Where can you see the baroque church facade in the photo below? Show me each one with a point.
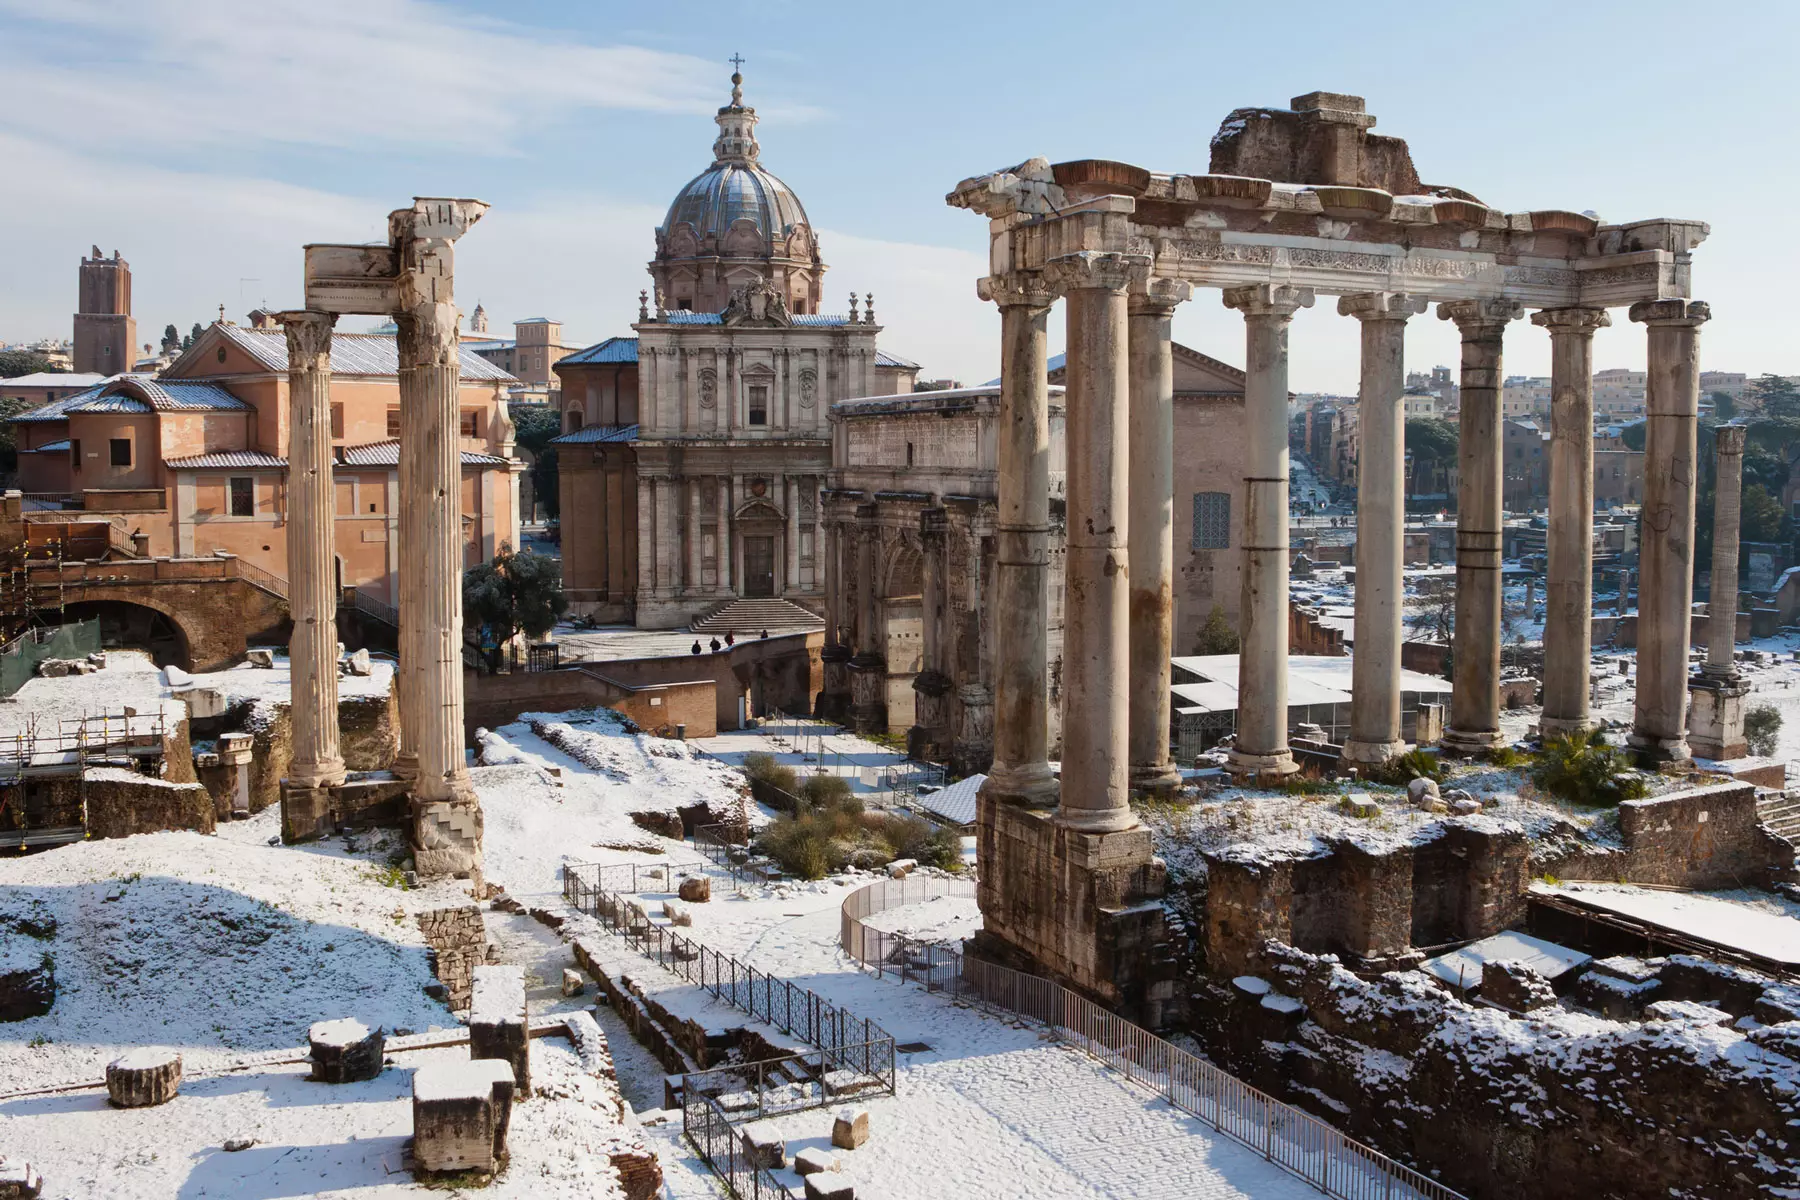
(693, 454)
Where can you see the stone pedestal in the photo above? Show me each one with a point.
(362, 800)
(499, 1021)
(1071, 904)
(345, 1051)
(1666, 566)
(1716, 718)
(834, 698)
(868, 694)
(1380, 527)
(143, 1078)
(972, 751)
(1475, 695)
(461, 1111)
(1262, 748)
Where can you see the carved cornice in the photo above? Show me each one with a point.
(1021, 289)
(1268, 299)
(1691, 313)
(308, 339)
(1098, 270)
(1583, 321)
(1480, 317)
(1161, 297)
(1381, 306)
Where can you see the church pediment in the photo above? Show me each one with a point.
(759, 510)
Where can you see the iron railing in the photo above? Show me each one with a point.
(1294, 1140)
(722, 1148)
(932, 963)
(773, 1087)
(853, 1046)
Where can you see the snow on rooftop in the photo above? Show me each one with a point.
(1462, 968)
(1713, 918)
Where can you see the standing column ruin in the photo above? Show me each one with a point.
(930, 735)
(1096, 629)
(1666, 554)
(1569, 587)
(868, 667)
(447, 816)
(1261, 747)
(696, 539)
(1475, 641)
(1152, 530)
(1020, 772)
(311, 546)
(1380, 526)
(411, 642)
(1718, 694)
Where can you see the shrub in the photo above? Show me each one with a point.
(762, 768)
(1417, 764)
(1581, 768)
(915, 837)
(829, 792)
(1508, 758)
(1762, 729)
(825, 839)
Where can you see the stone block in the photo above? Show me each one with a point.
(27, 978)
(1690, 1012)
(345, 1051)
(499, 1026)
(461, 1111)
(827, 1185)
(849, 1128)
(260, 656)
(572, 983)
(143, 1078)
(674, 1091)
(1422, 793)
(814, 1160)
(900, 868)
(696, 889)
(677, 913)
(19, 1181)
(359, 664)
(1514, 985)
(765, 1148)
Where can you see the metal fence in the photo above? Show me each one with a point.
(853, 1046)
(932, 963)
(20, 657)
(722, 1148)
(773, 1087)
(1292, 1139)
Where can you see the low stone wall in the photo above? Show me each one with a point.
(369, 731)
(458, 941)
(670, 1044)
(1557, 1106)
(121, 803)
(495, 700)
(1707, 837)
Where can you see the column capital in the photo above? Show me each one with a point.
(1159, 296)
(308, 332)
(1475, 317)
(1729, 439)
(1018, 289)
(1691, 313)
(1582, 321)
(1098, 270)
(1268, 299)
(1381, 306)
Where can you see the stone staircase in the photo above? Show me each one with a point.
(1780, 811)
(748, 618)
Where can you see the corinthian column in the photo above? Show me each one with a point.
(1261, 747)
(1666, 556)
(311, 515)
(448, 821)
(1475, 695)
(1151, 530)
(1096, 794)
(1380, 525)
(1717, 694)
(1569, 591)
(412, 532)
(1020, 772)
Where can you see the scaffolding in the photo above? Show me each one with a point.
(43, 753)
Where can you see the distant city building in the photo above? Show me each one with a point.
(531, 356)
(1525, 466)
(105, 334)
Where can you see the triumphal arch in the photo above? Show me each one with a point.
(1298, 202)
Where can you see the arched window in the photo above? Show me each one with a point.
(576, 418)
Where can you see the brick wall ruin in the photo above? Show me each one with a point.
(458, 941)
(1707, 837)
(121, 803)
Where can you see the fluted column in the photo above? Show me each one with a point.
(426, 281)
(1666, 555)
(791, 568)
(1261, 746)
(311, 515)
(696, 539)
(1096, 630)
(411, 643)
(1380, 525)
(1020, 771)
(1152, 530)
(1569, 588)
(1721, 625)
(723, 542)
(1475, 643)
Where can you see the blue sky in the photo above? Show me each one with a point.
(208, 139)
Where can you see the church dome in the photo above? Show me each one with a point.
(731, 191)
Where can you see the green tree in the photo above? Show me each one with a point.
(14, 363)
(544, 482)
(1762, 729)
(1216, 636)
(1724, 407)
(534, 425)
(171, 338)
(1433, 612)
(1763, 520)
(1433, 446)
(517, 591)
(1775, 396)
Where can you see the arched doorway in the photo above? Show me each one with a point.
(760, 534)
(126, 626)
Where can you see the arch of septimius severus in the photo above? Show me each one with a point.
(1299, 202)
(410, 278)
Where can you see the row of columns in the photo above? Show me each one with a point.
(1119, 551)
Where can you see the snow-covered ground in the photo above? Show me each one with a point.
(1756, 922)
(947, 919)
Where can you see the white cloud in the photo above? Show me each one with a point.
(164, 73)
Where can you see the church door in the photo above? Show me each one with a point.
(759, 567)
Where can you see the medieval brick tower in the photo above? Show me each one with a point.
(105, 334)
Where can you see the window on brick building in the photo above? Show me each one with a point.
(74, 454)
(243, 496)
(337, 420)
(759, 406)
(576, 420)
(471, 422)
(120, 451)
(393, 426)
(1212, 521)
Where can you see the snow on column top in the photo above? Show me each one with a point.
(471, 1079)
(345, 1031)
